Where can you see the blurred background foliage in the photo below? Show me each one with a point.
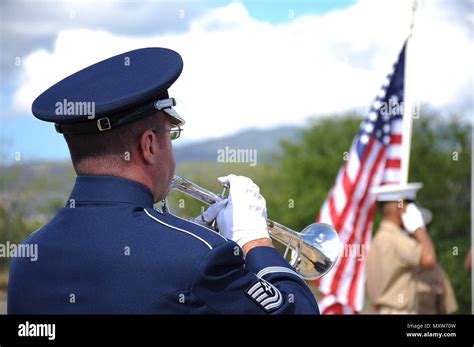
(295, 181)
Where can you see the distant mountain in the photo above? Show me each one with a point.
(47, 184)
(265, 142)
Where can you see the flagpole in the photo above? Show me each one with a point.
(408, 102)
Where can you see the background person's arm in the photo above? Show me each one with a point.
(414, 224)
(428, 255)
(468, 262)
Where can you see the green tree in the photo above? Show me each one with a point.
(307, 168)
(441, 159)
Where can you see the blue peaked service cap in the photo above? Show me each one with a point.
(116, 91)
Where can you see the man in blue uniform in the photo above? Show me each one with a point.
(108, 251)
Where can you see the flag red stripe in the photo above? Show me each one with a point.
(343, 262)
(396, 139)
(376, 165)
(333, 309)
(361, 264)
(340, 222)
(332, 208)
(393, 163)
(346, 182)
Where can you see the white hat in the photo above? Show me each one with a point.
(395, 192)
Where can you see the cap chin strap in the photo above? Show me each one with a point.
(107, 123)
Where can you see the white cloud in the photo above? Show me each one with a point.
(30, 25)
(239, 72)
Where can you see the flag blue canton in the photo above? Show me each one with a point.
(387, 107)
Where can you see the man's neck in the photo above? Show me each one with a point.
(139, 177)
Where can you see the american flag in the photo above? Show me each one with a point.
(374, 159)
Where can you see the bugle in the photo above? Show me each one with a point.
(314, 250)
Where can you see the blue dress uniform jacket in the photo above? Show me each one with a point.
(109, 252)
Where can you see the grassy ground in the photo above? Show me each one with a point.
(3, 301)
(3, 280)
(3, 292)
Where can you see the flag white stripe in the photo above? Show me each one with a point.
(347, 277)
(340, 198)
(394, 151)
(397, 127)
(377, 127)
(345, 233)
(353, 164)
(325, 217)
(391, 175)
(361, 283)
(358, 193)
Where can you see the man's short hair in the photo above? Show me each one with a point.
(111, 145)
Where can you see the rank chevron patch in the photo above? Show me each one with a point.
(265, 295)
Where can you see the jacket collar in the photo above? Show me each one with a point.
(111, 189)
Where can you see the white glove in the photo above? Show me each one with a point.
(207, 217)
(244, 218)
(412, 218)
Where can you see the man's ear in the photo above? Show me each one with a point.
(148, 147)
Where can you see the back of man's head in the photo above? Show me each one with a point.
(109, 152)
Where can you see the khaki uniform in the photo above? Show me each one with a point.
(435, 293)
(392, 266)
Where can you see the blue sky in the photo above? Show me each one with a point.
(331, 56)
(36, 140)
(277, 12)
